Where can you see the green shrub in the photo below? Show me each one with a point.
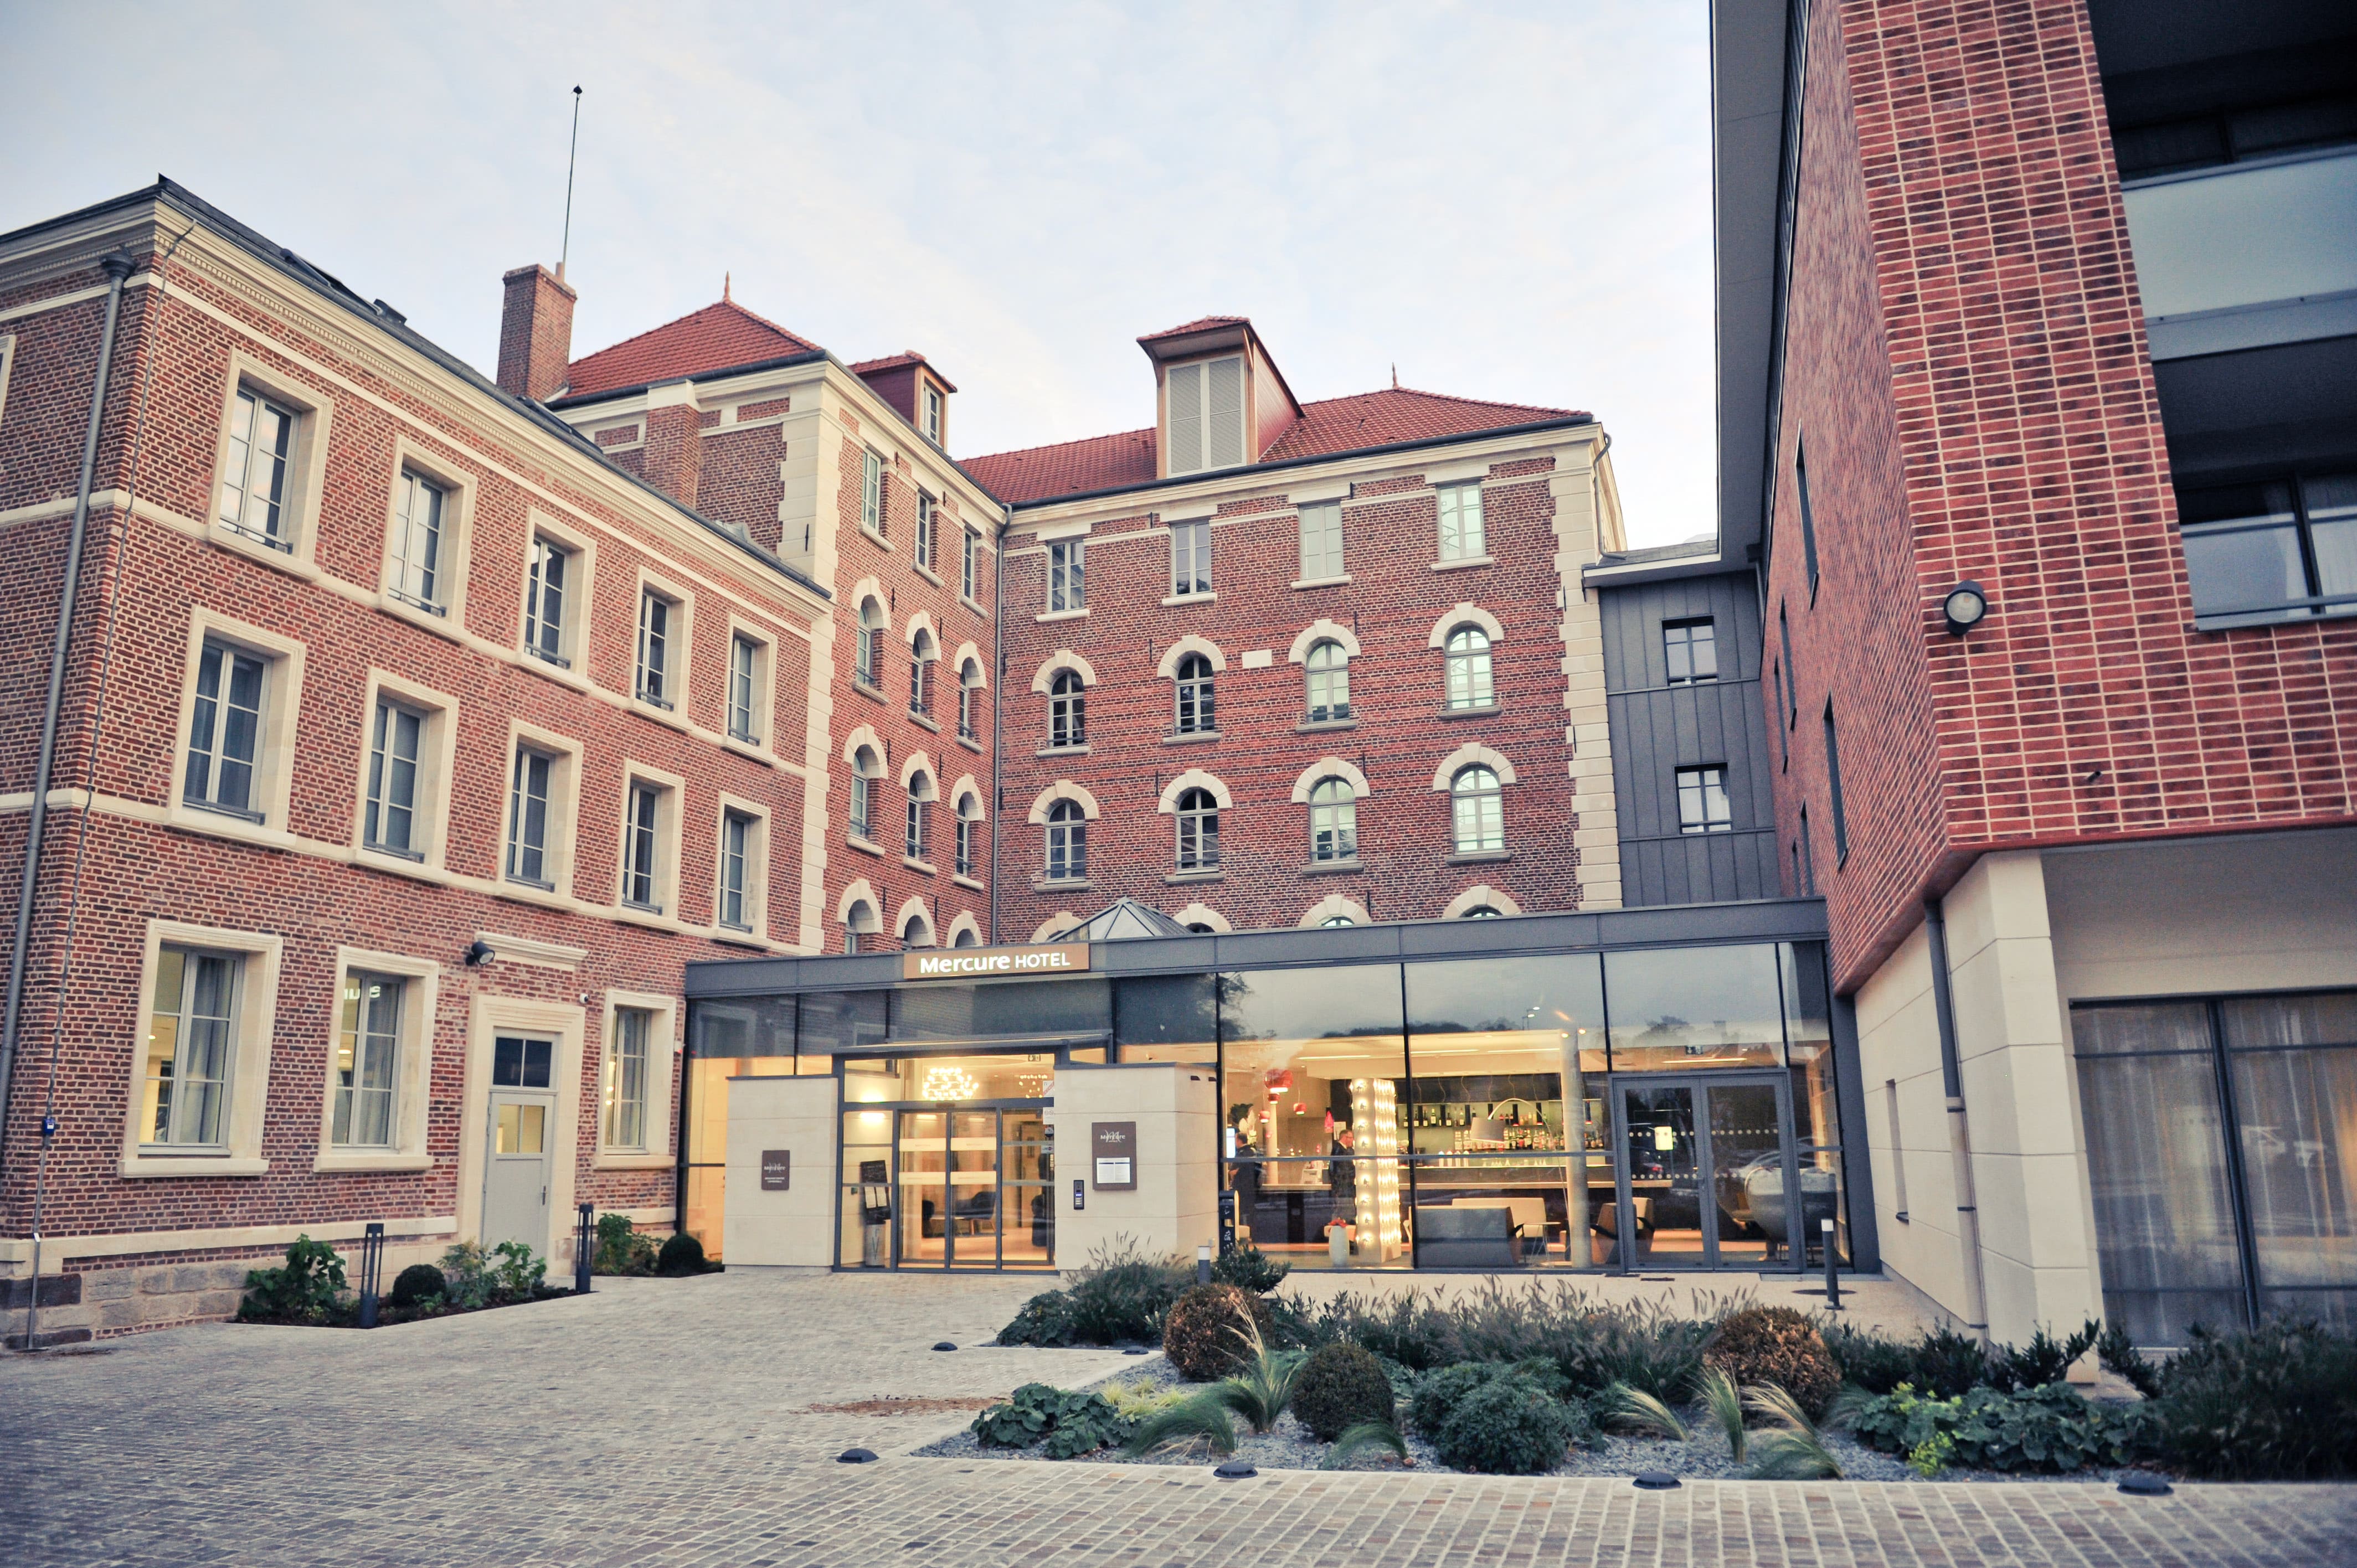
(1120, 1297)
(2045, 1359)
(1873, 1361)
(1069, 1423)
(1248, 1267)
(308, 1289)
(1508, 1426)
(1045, 1319)
(1201, 1419)
(2117, 1351)
(2278, 1403)
(516, 1274)
(414, 1285)
(1776, 1345)
(467, 1279)
(1439, 1392)
(1949, 1364)
(2047, 1428)
(620, 1249)
(681, 1254)
(1341, 1386)
(1406, 1329)
(1206, 1333)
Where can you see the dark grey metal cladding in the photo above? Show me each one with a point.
(1658, 729)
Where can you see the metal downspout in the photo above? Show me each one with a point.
(1960, 1132)
(997, 680)
(118, 265)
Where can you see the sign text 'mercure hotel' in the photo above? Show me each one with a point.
(983, 963)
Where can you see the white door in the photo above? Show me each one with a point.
(515, 1182)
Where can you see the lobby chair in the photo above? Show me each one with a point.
(976, 1211)
(1468, 1238)
(1769, 1211)
(1607, 1225)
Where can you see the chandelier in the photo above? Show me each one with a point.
(948, 1083)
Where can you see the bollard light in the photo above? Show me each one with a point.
(1832, 1271)
(585, 1245)
(1203, 1263)
(372, 1270)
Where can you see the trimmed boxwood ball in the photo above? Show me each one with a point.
(681, 1255)
(1507, 1426)
(1340, 1386)
(1777, 1345)
(1204, 1333)
(417, 1282)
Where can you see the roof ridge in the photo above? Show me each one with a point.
(1442, 397)
(699, 310)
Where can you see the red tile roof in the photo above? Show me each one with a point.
(1200, 324)
(717, 338)
(1325, 429)
(895, 361)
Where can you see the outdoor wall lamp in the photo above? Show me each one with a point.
(478, 953)
(1966, 608)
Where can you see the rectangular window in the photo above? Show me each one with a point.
(1207, 415)
(416, 553)
(225, 732)
(191, 1034)
(924, 530)
(655, 648)
(1461, 535)
(625, 1079)
(639, 890)
(2271, 550)
(919, 838)
(1834, 783)
(735, 867)
(1321, 540)
(253, 488)
(390, 818)
(1692, 647)
(528, 819)
(970, 565)
(1897, 1159)
(744, 664)
(871, 493)
(966, 828)
(1702, 801)
(368, 1043)
(932, 426)
(1067, 587)
(544, 603)
(1808, 516)
(863, 805)
(1792, 671)
(1191, 557)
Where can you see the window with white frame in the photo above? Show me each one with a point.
(368, 1052)
(1691, 650)
(917, 933)
(1191, 557)
(253, 500)
(744, 690)
(864, 767)
(629, 1058)
(1207, 415)
(1702, 801)
(1067, 587)
(859, 920)
(921, 672)
(918, 840)
(969, 825)
(225, 732)
(657, 683)
(1068, 710)
(1333, 821)
(1461, 536)
(1198, 697)
(414, 557)
(933, 414)
(871, 492)
(1332, 921)
(1198, 831)
(390, 818)
(548, 584)
(1328, 670)
(1476, 812)
(969, 567)
(1068, 842)
(1321, 540)
(1471, 682)
(868, 651)
(192, 1047)
(643, 847)
(970, 701)
(1481, 912)
(529, 857)
(739, 847)
(924, 541)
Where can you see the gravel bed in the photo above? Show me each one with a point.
(1291, 1446)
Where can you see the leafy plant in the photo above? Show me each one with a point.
(1199, 1333)
(620, 1249)
(516, 1274)
(1067, 1422)
(1117, 1297)
(2116, 1350)
(1792, 1449)
(1725, 1402)
(1260, 1390)
(1872, 1361)
(1439, 1393)
(1200, 1419)
(1354, 1439)
(1949, 1364)
(1929, 1458)
(2049, 1428)
(308, 1289)
(1508, 1426)
(2045, 1359)
(1141, 1399)
(1341, 1386)
(1246, 1267)
(1776, 1345)
(681, 1254)
(467, 1277)
(2279, 1402)
(416, 1286)
(1045, 1319)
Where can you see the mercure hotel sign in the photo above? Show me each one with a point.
(990, 963)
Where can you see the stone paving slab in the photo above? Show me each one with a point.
(667, 1423)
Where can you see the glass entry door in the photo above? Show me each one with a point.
(969, 1189)
(1707, 1166)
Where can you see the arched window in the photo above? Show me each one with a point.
(1333, 821)
(1477, 810)
(921, 673)
(1067, 842)
(1329, 682)
(867, 665)
(1199, 830)
(1068, 710)
(965, 939)
(1198, 711)
(1336, 920)
(917, 933)
(969, 828)
(1469, 685)
(862, 793)
(1480, 912)
(858, 920)
(1202, 928)
(970, 701)
(921, 820)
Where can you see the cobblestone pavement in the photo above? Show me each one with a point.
(668, 1423)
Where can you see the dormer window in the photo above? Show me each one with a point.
(931, 424)
(1206, 415)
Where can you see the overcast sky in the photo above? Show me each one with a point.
(1508, 201)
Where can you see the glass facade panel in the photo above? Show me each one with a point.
(1017, 1007)
(2294, 1061)
(837, 1021)
(749, 1038)
(1686, 1009)
(1167, 1018)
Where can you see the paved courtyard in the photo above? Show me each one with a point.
(671, 1423)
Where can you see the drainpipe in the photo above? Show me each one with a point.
(118, 265)
(1960, 1135)
(997, 680)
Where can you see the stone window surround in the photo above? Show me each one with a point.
(273, 763)
(413, 1067)
(306, 465)
(455, 560)
(757, 867)
(263, 954)
(430, 816)
(662, 1056)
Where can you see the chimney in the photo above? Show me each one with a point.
(535, 333)
(672, 459)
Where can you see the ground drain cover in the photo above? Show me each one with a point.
(855, 1457)
(944, 1345)
(1235, 1470)
(1656, 1481)
(2145, 1484)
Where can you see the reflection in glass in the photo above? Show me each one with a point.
(1167, 1018)
(725, 1040)
(1075, 1006)
(2295, 1072)
(1664, 1222)
(1687, 1008)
